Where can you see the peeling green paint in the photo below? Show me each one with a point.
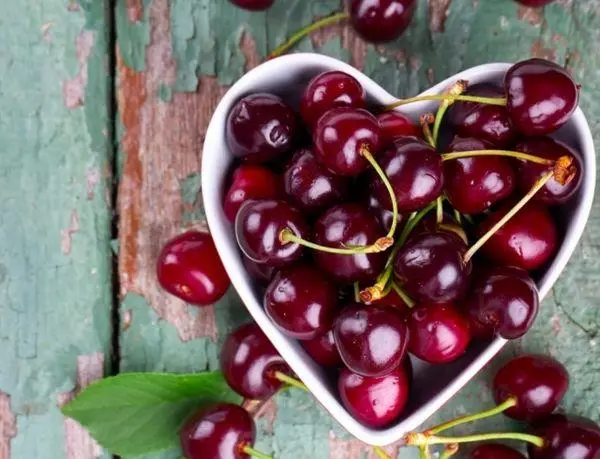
(165, 93)
(133, 37)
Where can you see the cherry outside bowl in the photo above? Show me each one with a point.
(286, 76)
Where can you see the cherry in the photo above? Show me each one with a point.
(253, 5)
(503, 301)
(526, 241)
(430, 267)
(495, 451)
(414, 170)
(541, 96)
(329, 90)
(249, 362)
(260, 128)
(489, 123)
(261, 273)
(473, 184)
(535, 3)
(258, 227)
(301, 302)
(374, 401)
(537, 382)
(384, 216)
(394, 125)
(372, 341)
(393, 300)
(221, 431)
(528, 172)
(189, 267)
(323, 350)
(379, 21)
(566, 437)
(250, 181)
(341, 135)
(310, 186)
(348, 225)
(438, 333)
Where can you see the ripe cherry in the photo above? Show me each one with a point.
(249, 362)
(260, 128)
(301, 302)
(250, 181)
(323, 350)
(374, 401)
(258, 227)
(438, 333)
(527, 240)
(189, 267)
(537, 382)
(329, 90)
(379, 21)
(541, 95)
(502, 301)
(495, 451)
(566, 437)
(372, 341)
(394, 125)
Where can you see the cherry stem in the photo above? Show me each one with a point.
(357, 297)
(501, 101)
(457, 216)
(381, 453)
(426, 119)
(449, 451)
(424, 452)
(421, 439)
(290, 381)
(439, 207)
(455, 90)
(511, 213)
(511, 154)
(379, 245)
(252, 452)
(299, 35)
(402, 294)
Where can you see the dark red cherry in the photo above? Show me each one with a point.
(310, 186)
(528, 172)
(502, 301)
(374, 401)
(301, 301)
(542, 96)
(329, 90)
(414, 170)
(393, 300)
(430, 267)
(219, 431)
(248, 362)
(486, 122)
(384, 216)
(344, 226)
(258, 227)
(495, 451)
(261, 273)
(260, 128)
(189, 267)
(379, 21)
(566, 437)
(250, 181)
(438, 333)
(323, 350)
(527, 240)
(538, 382)
(535, 3)
(472, 185)
(394, 125)
(341, 134)
(372, 341)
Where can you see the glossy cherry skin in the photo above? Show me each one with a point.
(372, 341)
(341, 134)
(541, 95)
(495, 451)
(394, 125)
(528, 172)
(250, 181)
(472, 185)
(384, 215)
(301, 302)
(311, 186)
(258, 227)
(535, 3)
(379, 21)
(260, 272)
(502, 301)
(374, 401)
(527, 240)
(415, 172)
(489, 123)
(189, 267)
(538, 382)
(219, 431)
(253, 5)
(329, 90)
(430, 267)
(566, 437)
(323, 350)
(248, 361)
(344, 226)
(438, 333)
(260, 128)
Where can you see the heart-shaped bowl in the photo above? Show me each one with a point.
(433, 385)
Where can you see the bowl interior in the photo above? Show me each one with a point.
(434, 385)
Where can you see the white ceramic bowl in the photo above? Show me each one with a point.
(434, 385)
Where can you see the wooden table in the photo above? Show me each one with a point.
(103, 111)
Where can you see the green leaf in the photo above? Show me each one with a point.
(132, 414)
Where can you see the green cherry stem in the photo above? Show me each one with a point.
(357, 292)
(419, 439)
(455, 90)
(424, 452)
(402, 294)
(381, 454)
(426, 119)
(290, 381)
(449, 451)
(501, 101)
(257, 454)
(439, 210)
(511, 154)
